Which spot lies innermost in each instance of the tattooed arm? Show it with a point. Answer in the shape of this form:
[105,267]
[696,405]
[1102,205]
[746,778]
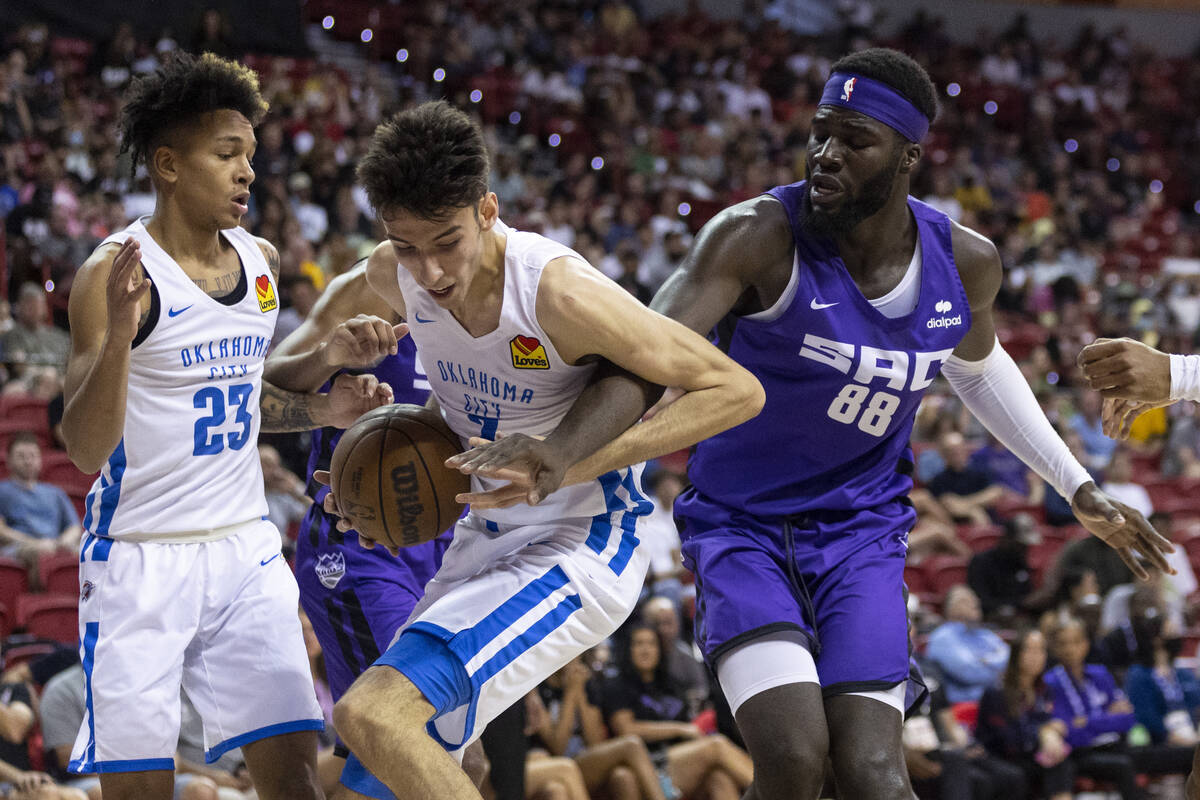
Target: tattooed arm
[271,255]
[350,397]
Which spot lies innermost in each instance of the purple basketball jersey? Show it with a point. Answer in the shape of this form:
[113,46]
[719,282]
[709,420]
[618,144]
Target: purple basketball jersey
[843,382]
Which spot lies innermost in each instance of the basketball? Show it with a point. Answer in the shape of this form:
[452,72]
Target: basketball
[388,476]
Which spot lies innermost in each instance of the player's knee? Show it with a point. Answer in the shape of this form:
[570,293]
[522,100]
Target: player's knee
[381,699]
[790,764]
[872,773]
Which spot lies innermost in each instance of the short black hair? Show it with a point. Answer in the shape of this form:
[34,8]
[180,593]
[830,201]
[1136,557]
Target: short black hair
[898,71]
[178,92]
[428,161]
[22,437]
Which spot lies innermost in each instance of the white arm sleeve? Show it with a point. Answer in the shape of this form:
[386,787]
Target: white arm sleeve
[1185,377]
[995,391]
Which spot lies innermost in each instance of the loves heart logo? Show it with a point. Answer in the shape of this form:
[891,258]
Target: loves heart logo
[266,294]
[528,353]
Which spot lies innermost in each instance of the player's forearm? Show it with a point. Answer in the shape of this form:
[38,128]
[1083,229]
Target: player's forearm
[299,372]
[695,416]
[285,412]
[995,391]
[612,401]
[94,417]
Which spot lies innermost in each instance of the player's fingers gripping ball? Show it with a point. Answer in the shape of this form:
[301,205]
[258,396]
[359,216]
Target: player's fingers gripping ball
[389,478]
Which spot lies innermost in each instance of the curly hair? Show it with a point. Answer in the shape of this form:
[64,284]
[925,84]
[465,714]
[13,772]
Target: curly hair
[179,91]
[898,71]
[427,161]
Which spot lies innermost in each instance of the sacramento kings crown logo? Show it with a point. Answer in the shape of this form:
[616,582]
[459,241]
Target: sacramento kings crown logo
[330,568]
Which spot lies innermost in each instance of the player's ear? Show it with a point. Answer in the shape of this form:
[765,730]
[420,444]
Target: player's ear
[489,211]
[911,156]
[163,164]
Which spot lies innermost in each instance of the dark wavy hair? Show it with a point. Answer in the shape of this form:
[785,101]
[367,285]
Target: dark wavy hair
[1011,681]
[625,662]
[182,89]
[898,71]
[427,161]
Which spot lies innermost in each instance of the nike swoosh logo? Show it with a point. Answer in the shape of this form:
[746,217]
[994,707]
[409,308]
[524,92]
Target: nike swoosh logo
[815,306]
[417,317]
[175,312]
[268,561]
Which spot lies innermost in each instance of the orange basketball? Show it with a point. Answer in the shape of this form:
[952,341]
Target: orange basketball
[389,478]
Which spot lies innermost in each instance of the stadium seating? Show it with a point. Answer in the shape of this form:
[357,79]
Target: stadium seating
[50,616]
[59,573]
[14,581]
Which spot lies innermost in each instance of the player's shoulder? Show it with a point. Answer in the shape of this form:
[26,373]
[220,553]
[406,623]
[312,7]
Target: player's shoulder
[978,263]
[350,293]
[270,253]
[746,237]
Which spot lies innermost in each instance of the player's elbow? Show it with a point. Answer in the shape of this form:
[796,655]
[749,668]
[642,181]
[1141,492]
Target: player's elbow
[83,453]
[749,397]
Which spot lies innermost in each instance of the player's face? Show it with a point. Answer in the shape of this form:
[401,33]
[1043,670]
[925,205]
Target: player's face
[853,162]
[210,170]
[443,255]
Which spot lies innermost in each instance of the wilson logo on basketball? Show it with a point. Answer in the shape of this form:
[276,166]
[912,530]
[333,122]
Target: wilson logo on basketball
[266,294]
[408,502]
[528,353]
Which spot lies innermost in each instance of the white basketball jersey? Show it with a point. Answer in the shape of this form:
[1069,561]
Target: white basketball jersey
[510,380]
[188,461]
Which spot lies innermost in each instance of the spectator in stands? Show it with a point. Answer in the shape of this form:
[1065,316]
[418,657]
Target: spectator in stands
[32,339]
[944,762]
[969,656]
[1117,649]
[641,702]
[16,724]
[1003,468]
[1096,713]
[1016,722]
[1088,424]
[1166,698]
[301,293]
[566,720]
[967,493]
[1090,553]
[684,670]
[1001,576]
[1118,482]
[662,537]
[38,517]
[934,531]
[1183,583]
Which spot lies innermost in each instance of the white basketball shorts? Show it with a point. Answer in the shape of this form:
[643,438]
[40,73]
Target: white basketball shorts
[497,634]
[218,617]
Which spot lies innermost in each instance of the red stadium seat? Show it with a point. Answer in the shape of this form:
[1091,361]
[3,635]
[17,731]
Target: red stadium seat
[21,410]
[59,573]
[79,500]
[1010,505]
[50,616]
[65,475]
[980,537]
[966,713]
[914,579]
[9,427]
[14,581]
[5,621]
[944,572]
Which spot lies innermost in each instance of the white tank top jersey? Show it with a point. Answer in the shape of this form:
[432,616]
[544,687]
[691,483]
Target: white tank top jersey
[187,465]
[511,380]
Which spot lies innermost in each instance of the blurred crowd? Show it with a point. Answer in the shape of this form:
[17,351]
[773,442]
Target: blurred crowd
[620,135]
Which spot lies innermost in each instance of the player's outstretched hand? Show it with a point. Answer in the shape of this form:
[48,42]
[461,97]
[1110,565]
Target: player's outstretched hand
[532,468]
[125,291]
[329,504]
[363,341]
[1118,415]
[1122,528]
[351,396]
[1127,369]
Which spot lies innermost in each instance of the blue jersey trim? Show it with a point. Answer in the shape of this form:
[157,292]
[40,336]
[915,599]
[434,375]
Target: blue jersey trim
[91,634]
[130,765]
[357,778]
[110,493]
[277,729]
[601,528]
[527,640]
[467,644]
[629,542]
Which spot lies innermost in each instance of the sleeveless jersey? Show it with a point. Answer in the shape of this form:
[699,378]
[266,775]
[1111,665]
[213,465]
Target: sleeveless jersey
[187,462]
[843,381]
[511,380]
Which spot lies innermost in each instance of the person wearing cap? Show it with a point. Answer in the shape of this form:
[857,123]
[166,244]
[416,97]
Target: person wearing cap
[845,297]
